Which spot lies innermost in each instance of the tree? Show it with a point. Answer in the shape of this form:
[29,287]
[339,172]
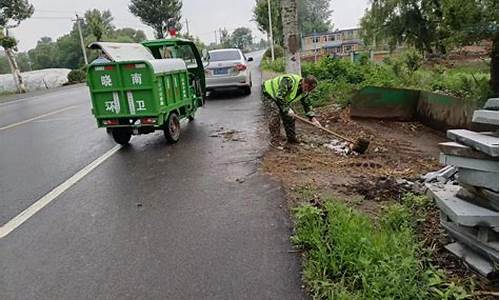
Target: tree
[405,21]
[435,25]
[242,38]
[4,64]
[291,37]
[471,22]
[314,16]
[156,13]
[65,52]
[225,38]
[98,23]
[42,55]
[12,13]
[23,61]
[261,17]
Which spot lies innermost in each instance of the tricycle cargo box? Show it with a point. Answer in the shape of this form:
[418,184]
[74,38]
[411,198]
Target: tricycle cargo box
[141,88]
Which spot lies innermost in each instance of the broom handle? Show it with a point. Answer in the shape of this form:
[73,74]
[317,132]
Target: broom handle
[323,128]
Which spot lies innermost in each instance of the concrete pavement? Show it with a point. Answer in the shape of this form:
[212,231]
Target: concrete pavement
[195,220]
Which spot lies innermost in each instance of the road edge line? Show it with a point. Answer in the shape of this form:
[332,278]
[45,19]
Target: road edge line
[18,220]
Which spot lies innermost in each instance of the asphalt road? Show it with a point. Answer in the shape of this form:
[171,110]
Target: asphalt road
[195,220]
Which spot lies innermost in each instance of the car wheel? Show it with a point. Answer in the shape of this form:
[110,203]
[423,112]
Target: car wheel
[172,128]
[247,90]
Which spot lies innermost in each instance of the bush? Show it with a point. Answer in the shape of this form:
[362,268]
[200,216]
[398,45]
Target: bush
[334,69]
[344,78]
[278,65]
[78,75]
[278,52]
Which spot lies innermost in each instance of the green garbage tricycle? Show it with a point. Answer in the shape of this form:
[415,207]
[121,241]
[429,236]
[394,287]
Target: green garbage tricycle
[139,88]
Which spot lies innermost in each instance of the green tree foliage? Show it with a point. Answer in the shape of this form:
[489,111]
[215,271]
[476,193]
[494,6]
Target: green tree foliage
[404,21]
[314,16]
[156,13]
[4,64]
[242,38]
[98,23]
[434,25]
[261,17]
[42,56]
[23,61]
[225,39]
[14,11]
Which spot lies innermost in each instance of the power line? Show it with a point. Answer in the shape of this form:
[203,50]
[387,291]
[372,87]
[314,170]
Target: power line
[50,18]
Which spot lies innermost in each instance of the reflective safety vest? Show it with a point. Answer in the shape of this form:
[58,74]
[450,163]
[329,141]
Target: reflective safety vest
[272,86]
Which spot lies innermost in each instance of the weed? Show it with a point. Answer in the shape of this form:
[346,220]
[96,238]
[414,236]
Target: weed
[347,256]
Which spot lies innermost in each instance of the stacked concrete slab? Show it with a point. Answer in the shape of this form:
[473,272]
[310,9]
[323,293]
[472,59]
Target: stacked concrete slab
[466,191]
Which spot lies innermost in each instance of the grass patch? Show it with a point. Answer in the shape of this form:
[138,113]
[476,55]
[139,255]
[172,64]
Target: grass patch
[349,256]
[277,66]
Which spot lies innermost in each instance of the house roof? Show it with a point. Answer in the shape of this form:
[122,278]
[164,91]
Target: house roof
[330,32]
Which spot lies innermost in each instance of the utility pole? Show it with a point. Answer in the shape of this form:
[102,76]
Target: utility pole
[215,34]
[187,26]
[271,41]
[81,39]
[291,35]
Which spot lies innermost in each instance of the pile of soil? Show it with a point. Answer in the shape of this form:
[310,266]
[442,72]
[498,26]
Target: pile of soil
[397,149]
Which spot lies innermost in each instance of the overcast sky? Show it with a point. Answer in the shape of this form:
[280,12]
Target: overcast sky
[53,17]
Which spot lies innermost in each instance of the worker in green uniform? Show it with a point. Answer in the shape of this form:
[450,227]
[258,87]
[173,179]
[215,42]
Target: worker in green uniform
[283,91]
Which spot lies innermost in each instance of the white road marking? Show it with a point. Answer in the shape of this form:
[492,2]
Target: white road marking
[38,117]
[50,196]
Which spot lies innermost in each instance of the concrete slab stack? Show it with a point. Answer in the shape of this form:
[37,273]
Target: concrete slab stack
[466,191]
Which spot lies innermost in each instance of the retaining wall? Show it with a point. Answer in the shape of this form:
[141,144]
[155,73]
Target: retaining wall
[437,111]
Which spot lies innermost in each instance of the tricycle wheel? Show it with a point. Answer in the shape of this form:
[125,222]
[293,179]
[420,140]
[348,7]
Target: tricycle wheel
[172,129]
[191,117]
[121,135]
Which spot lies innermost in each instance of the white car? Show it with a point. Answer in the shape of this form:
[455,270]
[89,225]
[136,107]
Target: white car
[227,68]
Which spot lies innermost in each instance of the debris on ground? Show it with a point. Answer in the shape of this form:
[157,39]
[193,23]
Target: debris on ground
[339,147]
[228,135]
[466,192]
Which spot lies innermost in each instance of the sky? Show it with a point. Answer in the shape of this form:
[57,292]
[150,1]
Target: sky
[53,18]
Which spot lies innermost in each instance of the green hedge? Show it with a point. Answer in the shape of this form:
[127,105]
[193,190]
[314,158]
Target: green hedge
[76,76]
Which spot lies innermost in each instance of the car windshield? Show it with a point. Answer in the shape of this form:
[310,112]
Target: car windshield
[225,55]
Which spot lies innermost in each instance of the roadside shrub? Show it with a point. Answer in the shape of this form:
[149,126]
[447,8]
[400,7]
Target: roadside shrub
[412,60]
[278,65]
[334,69]
[78,75]
[278,52]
